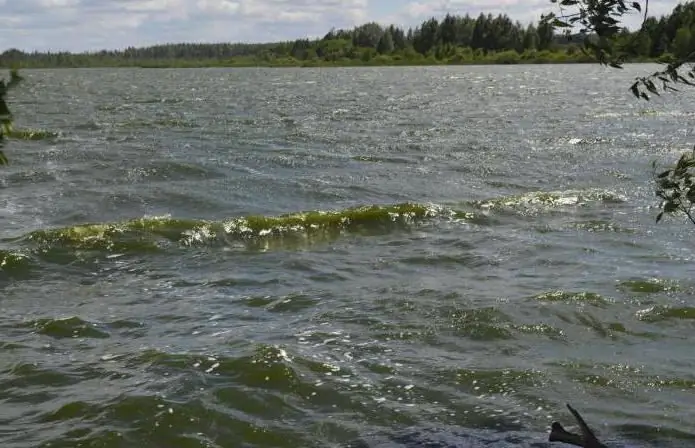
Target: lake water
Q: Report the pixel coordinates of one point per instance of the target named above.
(372, 257)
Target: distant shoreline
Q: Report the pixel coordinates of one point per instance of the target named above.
(183, 63)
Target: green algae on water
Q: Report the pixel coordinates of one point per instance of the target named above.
(662, 313)
(31, 134)
(12, 260)
(153, 233)
(650, 286)
(138, 233)
(369, 216)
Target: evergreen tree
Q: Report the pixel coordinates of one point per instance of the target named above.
(530, 38)
(545, 35)
(385, 45)
(682, 42)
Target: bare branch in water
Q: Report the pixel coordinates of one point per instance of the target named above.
(587, 439)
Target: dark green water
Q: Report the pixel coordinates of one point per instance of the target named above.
(481, 249)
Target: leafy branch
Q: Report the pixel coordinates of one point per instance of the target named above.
(600, 24)
(5, 114)
(675, 187)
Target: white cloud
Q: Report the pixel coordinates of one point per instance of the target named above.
(79, 25)
(58, 3)
(149, 6)
(218, 6)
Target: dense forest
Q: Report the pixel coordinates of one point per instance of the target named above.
(451, 40)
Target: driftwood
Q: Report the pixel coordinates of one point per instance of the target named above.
(586, 439)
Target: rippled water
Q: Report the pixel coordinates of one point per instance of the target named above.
(342, 257)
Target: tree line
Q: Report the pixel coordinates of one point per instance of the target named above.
(454, 38)
(451, 39)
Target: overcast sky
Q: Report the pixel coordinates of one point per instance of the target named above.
(78, 25)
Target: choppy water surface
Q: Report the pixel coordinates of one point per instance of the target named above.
(342, 257)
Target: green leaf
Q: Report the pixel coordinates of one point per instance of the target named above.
(664, 174)
(670, 207)
(4, 110)
(651, 87)
(5, 114)
(15, 78)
